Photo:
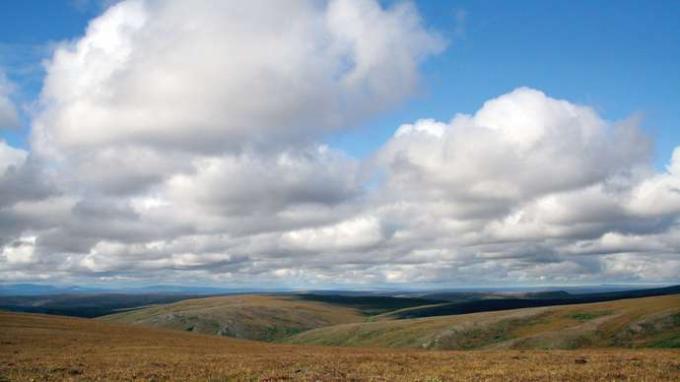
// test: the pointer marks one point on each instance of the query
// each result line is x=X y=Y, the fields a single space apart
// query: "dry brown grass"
x=48 y=348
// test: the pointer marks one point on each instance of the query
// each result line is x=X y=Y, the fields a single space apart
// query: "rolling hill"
x=476 y=302
x=257 y=317
x=54 y=348
x=632 y=323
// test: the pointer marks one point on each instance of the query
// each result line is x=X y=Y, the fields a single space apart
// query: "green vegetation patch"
x=475 y=337
x=672 y=342
x=587 y=316
x=276 y=333
x=676 y=320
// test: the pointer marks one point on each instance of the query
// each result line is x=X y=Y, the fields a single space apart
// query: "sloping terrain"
x=643 y=322
x=257 y=317
x=51 y=348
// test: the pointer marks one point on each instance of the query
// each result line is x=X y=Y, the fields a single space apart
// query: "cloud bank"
x=181 y=141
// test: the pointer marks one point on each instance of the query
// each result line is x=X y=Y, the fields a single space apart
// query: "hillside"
x=256 y=317
x=51 y=348
x=643 y=322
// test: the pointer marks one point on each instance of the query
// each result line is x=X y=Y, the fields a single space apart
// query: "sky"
x=351 y=144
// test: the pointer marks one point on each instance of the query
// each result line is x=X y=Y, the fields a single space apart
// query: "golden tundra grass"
x=49 y=348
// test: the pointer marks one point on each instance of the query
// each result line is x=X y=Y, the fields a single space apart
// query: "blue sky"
x=622 y=60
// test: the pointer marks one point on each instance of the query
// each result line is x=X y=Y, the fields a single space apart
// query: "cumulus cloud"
x=517 y=146
x=154 y=85
x=179 y=140
x=210 y=75
x=531 y=184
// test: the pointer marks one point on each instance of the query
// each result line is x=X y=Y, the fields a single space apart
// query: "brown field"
x=49 y=348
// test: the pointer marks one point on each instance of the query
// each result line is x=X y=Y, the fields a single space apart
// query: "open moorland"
x=50 y=348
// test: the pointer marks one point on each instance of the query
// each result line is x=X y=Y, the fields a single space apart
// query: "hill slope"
x=50 y=348
x=256 y=317
x=644 y=322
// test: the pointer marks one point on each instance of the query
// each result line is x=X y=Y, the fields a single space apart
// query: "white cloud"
x=210 y=75
x=517 y=146
x=19 y=252
x=530 y=182
x=356 y=233
x=660 y=194
x=252 y=183
x=10 y=156
x=157 y=89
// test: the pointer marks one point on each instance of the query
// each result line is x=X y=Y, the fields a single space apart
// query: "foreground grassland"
x=49 y=348
x=652 y=322
x=264 y=318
